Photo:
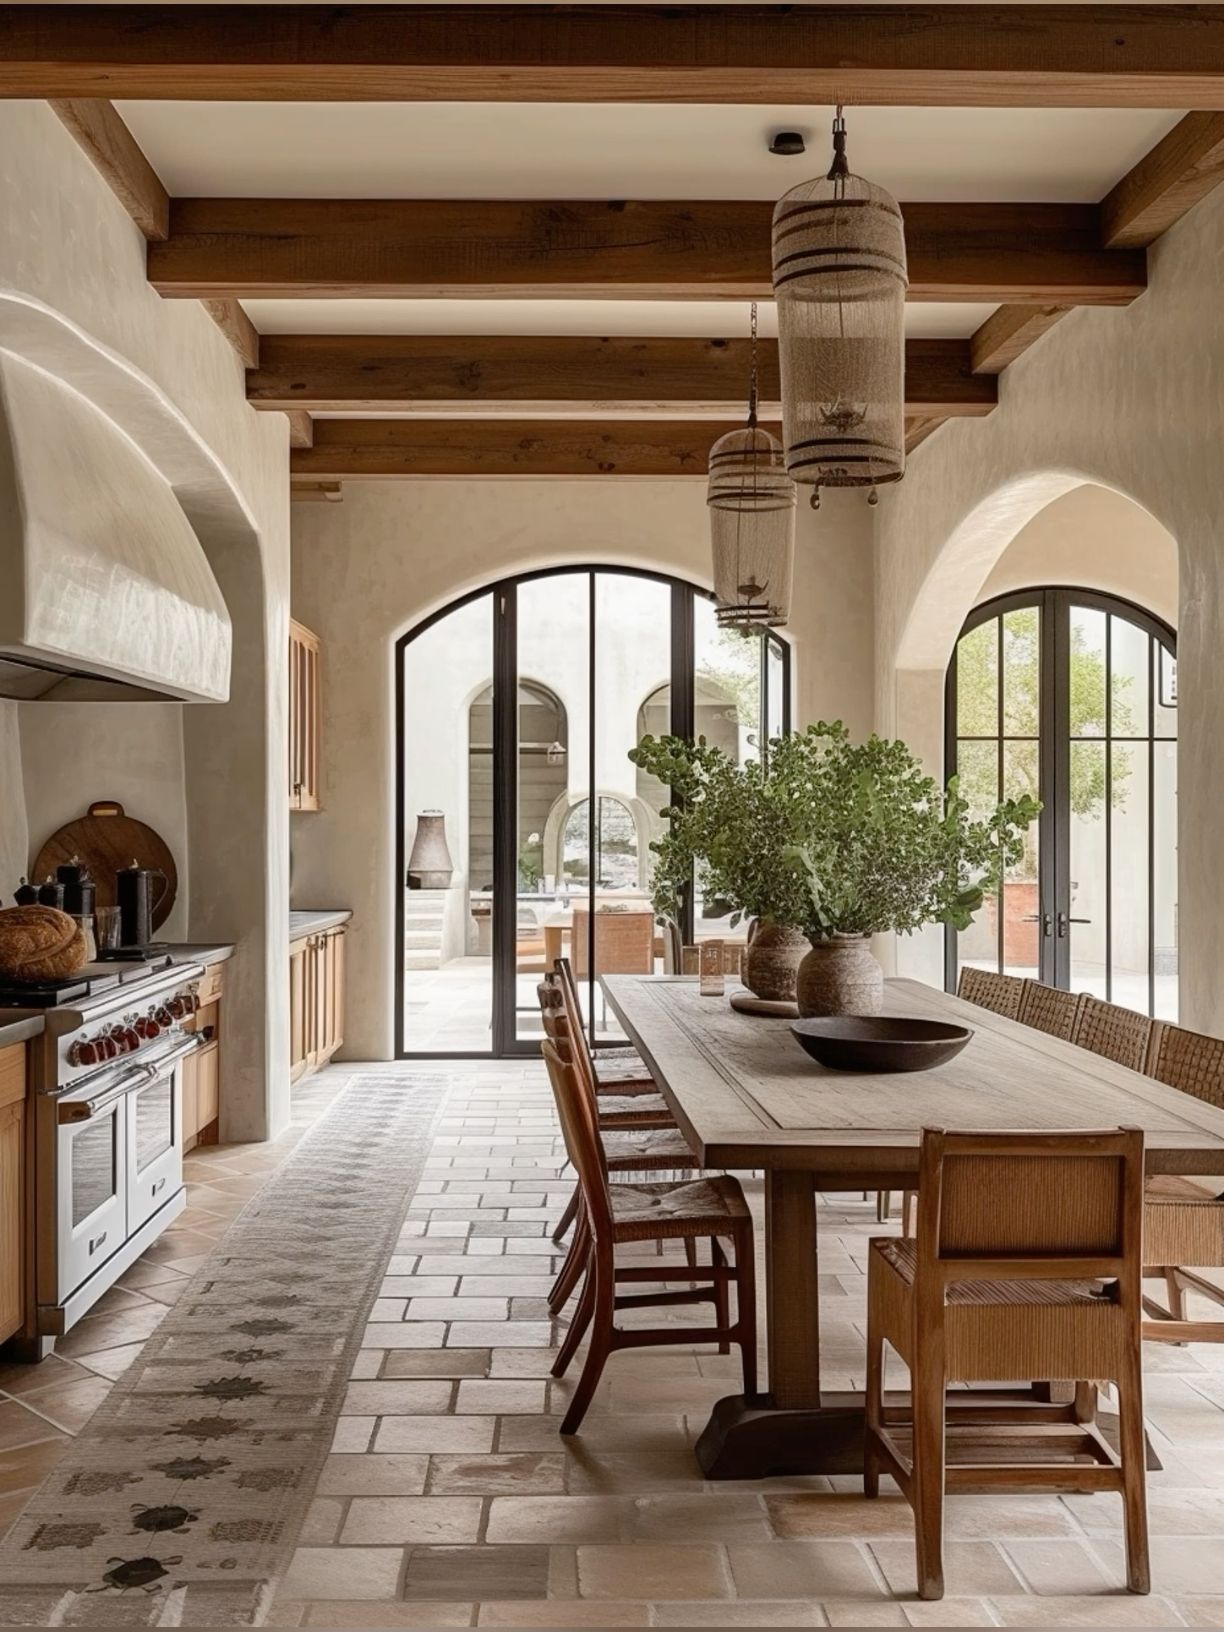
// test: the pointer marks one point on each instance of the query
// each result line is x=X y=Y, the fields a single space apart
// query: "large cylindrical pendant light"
x=839 y=279
x=752 y=523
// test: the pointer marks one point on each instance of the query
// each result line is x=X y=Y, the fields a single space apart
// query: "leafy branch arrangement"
x=834 y=836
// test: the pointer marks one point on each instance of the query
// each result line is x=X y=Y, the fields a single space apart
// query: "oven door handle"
x=142 y=1072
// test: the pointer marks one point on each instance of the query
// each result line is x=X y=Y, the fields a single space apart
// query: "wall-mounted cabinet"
x=305 y=711
x=316 y=1000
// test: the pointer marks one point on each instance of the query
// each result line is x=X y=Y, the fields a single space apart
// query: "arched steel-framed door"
x=1071 y=695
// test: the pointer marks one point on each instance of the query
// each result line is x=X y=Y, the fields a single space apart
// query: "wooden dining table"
x=749 y=1099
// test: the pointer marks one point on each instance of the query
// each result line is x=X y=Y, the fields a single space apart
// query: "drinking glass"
x=109 y=929
x=710 y=968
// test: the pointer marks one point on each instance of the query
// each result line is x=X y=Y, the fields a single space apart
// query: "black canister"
x=26 y=894
x=79 y=890
x=51 y=893
x=137 y=895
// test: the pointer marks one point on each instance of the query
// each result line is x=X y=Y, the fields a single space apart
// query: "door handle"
x=97 y=1242
x=1064 y=920
x=1045 y=919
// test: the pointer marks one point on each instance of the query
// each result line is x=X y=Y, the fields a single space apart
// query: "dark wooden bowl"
x=880 y=1042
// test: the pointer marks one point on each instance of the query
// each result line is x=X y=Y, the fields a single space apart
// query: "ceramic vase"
x=771 y=961
x=840 y=976
x=430 y=866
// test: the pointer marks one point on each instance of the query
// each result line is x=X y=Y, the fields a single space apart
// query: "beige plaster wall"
x=1093 y=538
x=369 y=568
x=72 y=278
x=14 y=829
x=1132 y=400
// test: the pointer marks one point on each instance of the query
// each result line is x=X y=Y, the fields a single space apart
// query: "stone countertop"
x=205 y=952
x=302 y=924
x=19 y=1030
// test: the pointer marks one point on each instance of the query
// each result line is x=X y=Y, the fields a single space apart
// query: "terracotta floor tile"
x=400 y=1473
x=822 y=1514
x=69 y=1405
x=20 y=1379
x=655 y=1572
x=529 y=1473
x=111 y=1363
x=486 y=1573
x=343 y=1572
x=19 y=1427
x=380 y=1521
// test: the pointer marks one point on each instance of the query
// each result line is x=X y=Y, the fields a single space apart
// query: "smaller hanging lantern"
x=752 y=522
x=839 y=276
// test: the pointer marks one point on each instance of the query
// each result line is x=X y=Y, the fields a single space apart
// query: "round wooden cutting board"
x=104 y=840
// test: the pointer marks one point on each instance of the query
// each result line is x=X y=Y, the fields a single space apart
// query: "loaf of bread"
x=39 y=943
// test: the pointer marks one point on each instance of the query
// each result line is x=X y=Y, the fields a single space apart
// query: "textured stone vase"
x=430 y=866
x=771 y=962
x=840 y=976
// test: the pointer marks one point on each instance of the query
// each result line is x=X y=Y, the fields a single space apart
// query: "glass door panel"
x=553 y=727
x=1073 y=698
x=446 y=766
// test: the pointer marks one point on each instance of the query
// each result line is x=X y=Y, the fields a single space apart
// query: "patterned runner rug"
x=180 y=1502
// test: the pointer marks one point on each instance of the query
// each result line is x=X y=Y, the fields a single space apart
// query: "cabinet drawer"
x=208 y=1085
x=208 y=1015
x=12 y=1074
x=211 y=983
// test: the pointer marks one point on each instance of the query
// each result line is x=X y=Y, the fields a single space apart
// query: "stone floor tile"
x=656 y=1572
x=713 y=1515
x=1063 y=1568
x=1198 y=1611
x=397 y=1397
x=528 y=1473
x=740 y=1613
x=1180 y=1565
x=558 y=1520
x=385 y=1334
x=419 y=1286
x=353 y=1433
x=17 y=1379
x=632 y=1473
x=505 y=1284
x=1111 y=1609
x=465 y=1309
x=369 y=1363
x=322 y=1523
x=562 y=1612
x=399 y=1473
x=368 y=1615
x=803 y=1569
x=513 y=1334
x=858 y=1613
x=976 y=1568
x=343 y=1572
x=950 y=1612
x=434 y=1434
x=509 y=1396
x=824 y=1514
x=487 y=1573
x=436 y=1363
x=521 y=1362
x=69 y=1405
x=380 y=1521
x=657 y=1433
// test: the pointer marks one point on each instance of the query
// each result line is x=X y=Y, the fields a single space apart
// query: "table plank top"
x=747 y=1096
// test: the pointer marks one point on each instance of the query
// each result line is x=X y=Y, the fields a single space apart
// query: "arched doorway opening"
x=1071 y=695
x=516 y=710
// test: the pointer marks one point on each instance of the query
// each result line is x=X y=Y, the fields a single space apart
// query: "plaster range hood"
x=106 y=594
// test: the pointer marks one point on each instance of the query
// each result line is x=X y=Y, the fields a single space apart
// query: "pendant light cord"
x=753 y=374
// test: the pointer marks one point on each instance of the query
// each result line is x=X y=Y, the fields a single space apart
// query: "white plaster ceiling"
x=551 y=150
x=699 y=318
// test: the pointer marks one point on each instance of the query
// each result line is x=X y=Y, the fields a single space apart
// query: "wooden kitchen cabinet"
x=202 y=1070
x=12 y=1189
x=305 y=711
x=316 y=1000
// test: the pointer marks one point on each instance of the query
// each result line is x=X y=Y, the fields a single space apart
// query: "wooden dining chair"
x=1027 y=1263
x=710 y=1209
x=1115 y=1033
x=618 y=1063
x=999 y=993
x=1184 y=1217
x=1050 y=1009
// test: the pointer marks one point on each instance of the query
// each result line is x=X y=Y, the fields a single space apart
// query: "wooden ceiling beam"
x=1008 y=332
x=120 y=161
x=424 y=248
x=1183 y=167
x=582 y=376
x=1021 y=55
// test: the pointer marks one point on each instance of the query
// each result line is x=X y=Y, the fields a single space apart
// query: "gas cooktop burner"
x=91 y=981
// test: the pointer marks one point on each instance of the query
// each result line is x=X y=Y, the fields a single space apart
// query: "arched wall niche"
x=1127 y=399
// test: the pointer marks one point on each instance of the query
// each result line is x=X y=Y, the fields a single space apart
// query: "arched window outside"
x=1071 y=696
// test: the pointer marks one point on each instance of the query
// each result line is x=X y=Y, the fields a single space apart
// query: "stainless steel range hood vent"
x=105 y=592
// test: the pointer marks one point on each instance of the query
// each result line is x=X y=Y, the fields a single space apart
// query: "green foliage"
x=833 y=836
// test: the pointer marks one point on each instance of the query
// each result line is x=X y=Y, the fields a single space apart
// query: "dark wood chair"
x=1027 y=1263
x=618 y=1064
x=711 y=1209
x=1115 y=1033
x=1184 y=1217
x=999 y=993
x=1050 y=1009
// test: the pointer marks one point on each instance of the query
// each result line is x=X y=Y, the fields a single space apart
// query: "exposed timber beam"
x=120 y=161
x=1183 y=167
x=580 y=376
x=237 y=328
x=301 y=428
x=381 y=249
x=1008 y=332
x=1119 y=55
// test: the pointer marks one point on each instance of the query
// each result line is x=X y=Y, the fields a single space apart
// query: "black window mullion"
x=505 y=815
x=1001 y=909
x=1108 y=807
x=592 y=802
x=683 y=700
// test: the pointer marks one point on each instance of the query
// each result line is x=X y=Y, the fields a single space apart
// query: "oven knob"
x=147 y=1027
x=83 y=1052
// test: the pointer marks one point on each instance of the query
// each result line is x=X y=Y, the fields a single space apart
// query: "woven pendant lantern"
x=752 y=522
x=839 y=280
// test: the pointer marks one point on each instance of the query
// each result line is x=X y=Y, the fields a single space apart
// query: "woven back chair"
x=1115 y=1033
x=1050 y=1009
x=1184 y=1217
x=1000 y=994
x=624 y=942
x=711 y=1209
x=1016 y=1231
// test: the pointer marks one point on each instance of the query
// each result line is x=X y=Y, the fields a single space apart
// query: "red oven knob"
x=106 y=1046
x=126 y=1039
x=147 y=1027
x=84 y=1052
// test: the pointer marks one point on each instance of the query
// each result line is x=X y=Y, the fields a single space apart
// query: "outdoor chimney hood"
x=105 y=591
